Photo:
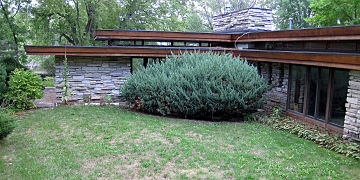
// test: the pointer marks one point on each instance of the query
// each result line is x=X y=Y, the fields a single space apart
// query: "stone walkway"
x=49 y=99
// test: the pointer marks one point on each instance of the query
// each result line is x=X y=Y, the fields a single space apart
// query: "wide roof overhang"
x=325 y=59
x=310 y=34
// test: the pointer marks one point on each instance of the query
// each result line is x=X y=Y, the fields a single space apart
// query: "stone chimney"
x=246 y=20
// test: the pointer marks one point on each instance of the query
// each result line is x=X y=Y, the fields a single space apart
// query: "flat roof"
x=336 y=33
x=325 y=59
x=110 y=34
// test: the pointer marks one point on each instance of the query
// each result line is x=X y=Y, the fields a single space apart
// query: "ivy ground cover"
x=111 y=143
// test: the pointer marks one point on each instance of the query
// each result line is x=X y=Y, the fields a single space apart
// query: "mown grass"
x=110 y=143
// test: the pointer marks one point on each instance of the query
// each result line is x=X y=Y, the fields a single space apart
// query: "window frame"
x=329 y=96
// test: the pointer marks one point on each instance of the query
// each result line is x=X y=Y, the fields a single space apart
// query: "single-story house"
x=315 y=72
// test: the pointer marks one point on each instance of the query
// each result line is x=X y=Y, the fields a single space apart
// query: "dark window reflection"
x=297 y=88
x=341 y=79
x=324 y=81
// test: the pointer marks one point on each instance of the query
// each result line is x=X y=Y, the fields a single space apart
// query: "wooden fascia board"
x=326 y=59
x=115 y=51
x=158 y=35
x=315 y=34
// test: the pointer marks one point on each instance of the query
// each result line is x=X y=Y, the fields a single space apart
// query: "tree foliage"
x=298 y=10
x=197 y=85
x=24 y=87
x=335 y=12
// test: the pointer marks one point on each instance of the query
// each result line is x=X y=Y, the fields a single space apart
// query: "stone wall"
x=93 y=77
x=253 y=19
x=277 y=75
x=352 y=117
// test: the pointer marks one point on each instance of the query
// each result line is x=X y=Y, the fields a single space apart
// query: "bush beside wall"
x=196 y=85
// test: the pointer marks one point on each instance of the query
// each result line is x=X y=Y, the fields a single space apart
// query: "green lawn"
x=108 y=143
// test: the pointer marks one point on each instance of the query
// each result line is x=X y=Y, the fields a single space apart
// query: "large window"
x=318 y=92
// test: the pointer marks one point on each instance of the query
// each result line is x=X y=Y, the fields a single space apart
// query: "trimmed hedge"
x=196 y=85
x=6 y=125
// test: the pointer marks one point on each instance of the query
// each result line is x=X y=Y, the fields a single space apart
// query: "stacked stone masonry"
x=92 y=78
x=277 y=75
x=352 y=117
x=245 y=20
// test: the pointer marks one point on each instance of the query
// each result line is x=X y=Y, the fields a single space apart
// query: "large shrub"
x=6 y=125
x=7 y=65
x=196 y=85
x=24 y=87
x=3 y=76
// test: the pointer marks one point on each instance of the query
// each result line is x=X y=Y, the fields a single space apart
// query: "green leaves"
x=331 y=13
x=6 y=125
x=196 y=85
x=329 y=141
x=24 y=88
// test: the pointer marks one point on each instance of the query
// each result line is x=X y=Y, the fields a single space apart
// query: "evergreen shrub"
x=6 y=125
x=24 y=87
x=197 y=85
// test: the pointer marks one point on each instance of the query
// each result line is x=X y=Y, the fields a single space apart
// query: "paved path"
x=49 y=99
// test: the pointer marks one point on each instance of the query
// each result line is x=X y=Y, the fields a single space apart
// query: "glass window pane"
x=341 y=79
x=176 y=43
x=192 y=44
x=138 y=43
x=297 y=88
x=314 y=76
x=205 y=44
x=324 y=79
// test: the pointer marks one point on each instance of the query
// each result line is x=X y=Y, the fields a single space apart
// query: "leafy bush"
x=7 y=65
x=3 y=76
x=330 y=141
x=24 y=87
x=6 y=125
x=196 y=85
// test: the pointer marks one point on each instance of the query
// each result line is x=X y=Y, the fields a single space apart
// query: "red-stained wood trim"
x=314 y=34
x=325 y=57
x=160 y=35
x=315 y=123
x=338 y=60
x=319 y=38
x=117 y=51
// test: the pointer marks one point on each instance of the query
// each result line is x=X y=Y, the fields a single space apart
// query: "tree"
x=335 y=12
x=299 y=10
x=13 y=28
x=76 y=20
